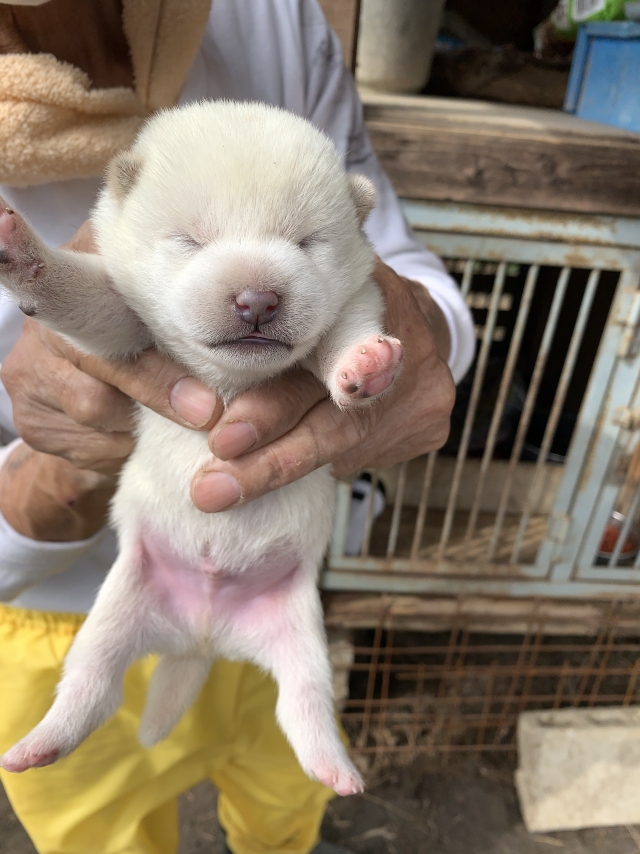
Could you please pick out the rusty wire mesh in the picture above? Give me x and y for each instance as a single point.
(462, 690)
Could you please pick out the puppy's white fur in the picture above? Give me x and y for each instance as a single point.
(212, 200)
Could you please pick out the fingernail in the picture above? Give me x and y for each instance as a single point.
(215, 491)
(234, 439)
(193, 401)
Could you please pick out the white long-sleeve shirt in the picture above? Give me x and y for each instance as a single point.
(280, 53)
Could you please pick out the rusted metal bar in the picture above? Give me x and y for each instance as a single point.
(384, 688)
(631, 686)
(485, 717)
(505, 384)
(474, 700)
(604, 663)
(590, 669)
(558, 402)
(438, 748)
(557, 699)
(418, 698)
(371, 684)
(423, 505)
(474, 397)
(498, 649)
(527, 410)
(397, 511)
(511, 691)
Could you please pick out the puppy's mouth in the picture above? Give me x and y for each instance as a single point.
(252, 341)
(259, 338)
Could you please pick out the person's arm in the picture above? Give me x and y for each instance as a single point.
(55, 487)
(25, 560)
(46, 498)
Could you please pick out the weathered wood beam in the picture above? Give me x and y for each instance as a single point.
(481, 153)
(476, 614)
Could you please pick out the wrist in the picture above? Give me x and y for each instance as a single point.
(46, 498)
(435, 318)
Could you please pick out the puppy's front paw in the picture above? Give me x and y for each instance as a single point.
(20, 264)
(367, 370)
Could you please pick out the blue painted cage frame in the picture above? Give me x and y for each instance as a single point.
(472, 523)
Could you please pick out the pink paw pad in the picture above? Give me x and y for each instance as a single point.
(369, 368)
(8, 224)
(16, 244)
(24, 760)
(343, 782)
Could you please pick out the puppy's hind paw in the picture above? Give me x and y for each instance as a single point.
(342, 777)
(367, 370)
(24, 755)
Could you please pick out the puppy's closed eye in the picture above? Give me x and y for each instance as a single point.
(309, 241)
(188, 242)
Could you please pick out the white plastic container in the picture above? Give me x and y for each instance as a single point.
(396, 43)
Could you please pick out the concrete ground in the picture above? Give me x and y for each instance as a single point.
(463, 807)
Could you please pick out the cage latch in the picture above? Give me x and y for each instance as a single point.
(627, 418)
(558, 527)
(630, 341)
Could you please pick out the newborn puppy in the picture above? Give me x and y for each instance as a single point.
(231, 240)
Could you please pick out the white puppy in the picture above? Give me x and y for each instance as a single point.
(231, 240)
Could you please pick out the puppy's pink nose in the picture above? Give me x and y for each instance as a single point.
(256, 307)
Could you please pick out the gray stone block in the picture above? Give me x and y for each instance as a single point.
(579, 768)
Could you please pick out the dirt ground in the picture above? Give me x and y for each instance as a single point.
(462, 807)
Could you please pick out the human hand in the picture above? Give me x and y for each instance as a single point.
(275, 434)
(79, 407)
(75, 413)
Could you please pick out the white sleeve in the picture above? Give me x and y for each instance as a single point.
(25, 562)
(334, 106)
(11, 320)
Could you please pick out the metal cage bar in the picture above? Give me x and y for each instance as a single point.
(527, 410)
(514, 350)
(563, 385)
(397, 511)
(423, 505)
(481, 365)
(463, 690)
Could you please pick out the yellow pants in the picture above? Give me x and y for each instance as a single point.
(113, 797)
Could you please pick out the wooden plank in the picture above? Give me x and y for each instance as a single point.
(444, 149)
(343, 17)
(476, 614)
(540, 501)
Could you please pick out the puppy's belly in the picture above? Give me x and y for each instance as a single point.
(195, 595)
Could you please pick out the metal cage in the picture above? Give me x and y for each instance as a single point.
(537, 491)
(461, 689)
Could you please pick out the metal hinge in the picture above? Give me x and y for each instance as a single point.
(630, 341)
(558, 528)
(627, 418)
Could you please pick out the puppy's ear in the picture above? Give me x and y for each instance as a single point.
(123, 172)
(363, 194)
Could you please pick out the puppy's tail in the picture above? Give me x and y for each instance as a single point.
(175, 686)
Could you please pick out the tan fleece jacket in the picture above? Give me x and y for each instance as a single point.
(55, 126)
